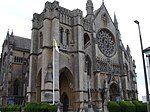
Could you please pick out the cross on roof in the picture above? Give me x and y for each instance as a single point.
(102, 1)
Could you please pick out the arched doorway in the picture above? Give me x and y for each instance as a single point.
(114, 92)
(66, 89)
(65, 101)
(38, 87)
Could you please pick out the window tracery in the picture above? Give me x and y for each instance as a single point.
(67, 37)
(106, 42)
(61, 35)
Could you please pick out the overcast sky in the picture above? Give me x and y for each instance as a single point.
(16, 15)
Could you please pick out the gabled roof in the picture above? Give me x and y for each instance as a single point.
(96, 12)
(21, 43)
(17, 42)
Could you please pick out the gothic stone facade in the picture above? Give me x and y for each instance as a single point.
(92, 64)
(15, 52)
(91, 67)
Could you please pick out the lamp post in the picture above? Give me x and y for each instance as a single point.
(147, 52)
(145, 75)
(148, 62)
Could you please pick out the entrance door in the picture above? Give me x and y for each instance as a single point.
(66, 89)
(65, 101)
(114, 92)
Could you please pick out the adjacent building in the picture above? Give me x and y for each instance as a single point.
(91, 67)
(14, 56)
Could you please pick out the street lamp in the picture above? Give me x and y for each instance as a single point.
(145, 75)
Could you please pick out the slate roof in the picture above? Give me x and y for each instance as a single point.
(21, 43)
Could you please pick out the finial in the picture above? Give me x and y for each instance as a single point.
(115, 21)
(102, 1)
(89, 7)
(12, 32)
(8, 32)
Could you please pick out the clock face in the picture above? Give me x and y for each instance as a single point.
(106, 42)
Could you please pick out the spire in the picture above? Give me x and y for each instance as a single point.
(12, 33)
(7, 35)
(89, 7)
(115, 21)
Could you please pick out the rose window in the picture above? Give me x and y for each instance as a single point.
(106, 42)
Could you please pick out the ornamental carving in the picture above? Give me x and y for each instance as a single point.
(106, 42)
(105, 19)
(107, 66)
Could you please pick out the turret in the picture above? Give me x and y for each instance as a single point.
(89, 7)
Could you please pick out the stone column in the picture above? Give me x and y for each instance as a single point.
(46, 84)
(106, 95)
(79, 33)
(55, 35)
(33, 61)
(120, 88)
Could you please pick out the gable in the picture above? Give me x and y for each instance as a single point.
(103, 20)
(106, 35)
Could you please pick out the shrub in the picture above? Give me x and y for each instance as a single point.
(30, 107)
(40, 107)
(113, 106)
(140, 107)
(2, 108)
(127, 106)
(144, 107)
(13, 108)
(53, 108)
(10, 108)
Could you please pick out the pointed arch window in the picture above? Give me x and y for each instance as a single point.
(86, 39)
(4, 59)
(126, 69)
(16, 86)
(15, 59)
(88, 65)
(61, 35)
(41, 40)
(67, 37)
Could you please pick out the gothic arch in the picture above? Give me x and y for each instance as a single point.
(38, 86)
(86, 38)
(61, 35)
(65, 101)
(66, 88)
(114, 91)
(67, 36)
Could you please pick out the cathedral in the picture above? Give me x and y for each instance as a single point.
(90, 67)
